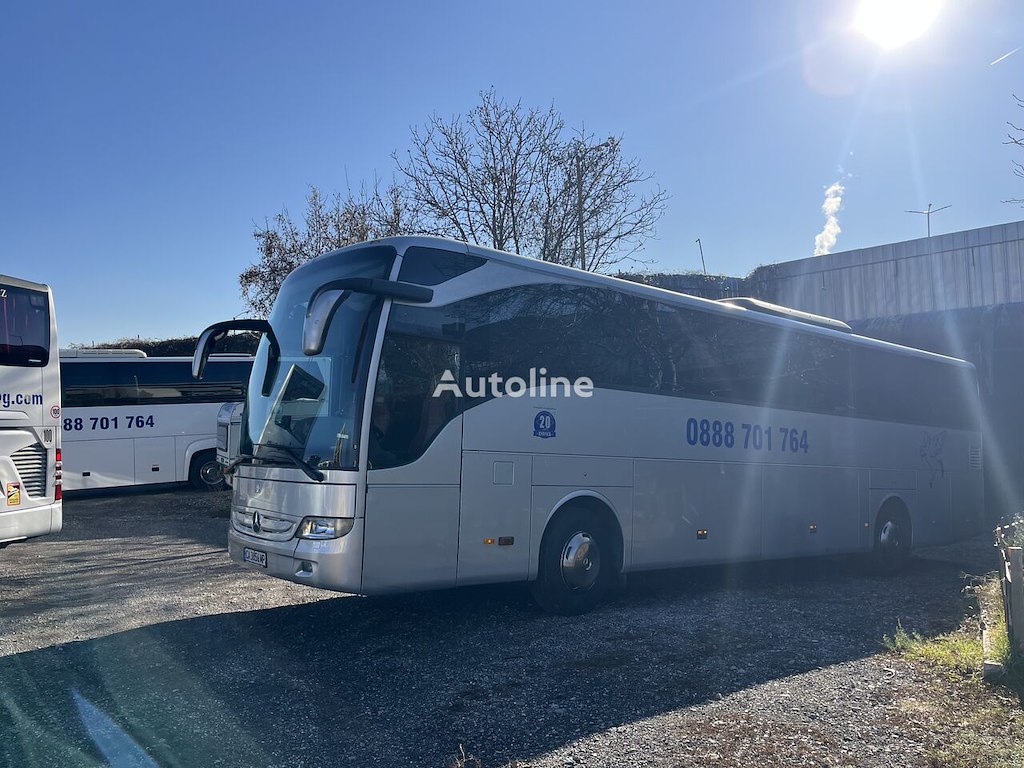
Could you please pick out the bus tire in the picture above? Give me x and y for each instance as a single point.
(893, 540)
(204, 473)
(576, 567)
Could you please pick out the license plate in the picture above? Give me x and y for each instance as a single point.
(255, 557)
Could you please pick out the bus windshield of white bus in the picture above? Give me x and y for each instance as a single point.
(314, 406)
(24, 327)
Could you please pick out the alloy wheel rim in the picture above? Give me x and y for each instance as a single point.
(580, 561)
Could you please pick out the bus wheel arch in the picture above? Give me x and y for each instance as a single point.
(893, 536)
(580, 556)
(204, 472)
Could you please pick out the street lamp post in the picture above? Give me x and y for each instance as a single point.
(928, 214)
(580, 150)
(705, 266)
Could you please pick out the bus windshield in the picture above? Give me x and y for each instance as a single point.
(24, 327)
(314, 407)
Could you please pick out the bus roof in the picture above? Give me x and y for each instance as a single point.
(135, 354)
(22, 283)
(75, 352)
(583, 277)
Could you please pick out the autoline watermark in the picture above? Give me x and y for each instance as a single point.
(538, 385)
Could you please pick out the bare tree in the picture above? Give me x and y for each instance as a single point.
(330, 223)
(476, 177)
(607, 220)
(504, 176)
(1016, 138)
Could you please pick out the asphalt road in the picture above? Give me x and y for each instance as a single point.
(131, 639)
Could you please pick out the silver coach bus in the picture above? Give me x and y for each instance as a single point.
(637, 429)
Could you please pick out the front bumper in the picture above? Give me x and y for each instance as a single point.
(335, 564)
(18, 524)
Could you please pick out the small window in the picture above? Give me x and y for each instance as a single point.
(432, 266)
(24, 327)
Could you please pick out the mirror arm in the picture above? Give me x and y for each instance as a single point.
(390, 289)
(317, 322)
(209, 339)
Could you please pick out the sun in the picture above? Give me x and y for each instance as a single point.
(892, 23)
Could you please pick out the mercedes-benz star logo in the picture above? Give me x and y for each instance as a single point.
(256, 527)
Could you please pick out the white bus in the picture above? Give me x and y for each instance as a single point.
(229, 432)
(130, 419)
(30, 451)
(715, 432)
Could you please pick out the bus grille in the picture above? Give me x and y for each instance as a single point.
(31, 465)
(271, 526)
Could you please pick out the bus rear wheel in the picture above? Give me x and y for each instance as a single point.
(205, 474)
(575, 568)
(892, 547)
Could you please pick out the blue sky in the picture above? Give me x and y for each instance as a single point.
(141, 141)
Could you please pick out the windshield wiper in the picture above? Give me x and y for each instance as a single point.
(311, 472)
(240, 459)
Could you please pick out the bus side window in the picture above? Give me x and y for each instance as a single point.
(406, 417)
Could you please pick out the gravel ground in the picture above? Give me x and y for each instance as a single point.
(132, 634)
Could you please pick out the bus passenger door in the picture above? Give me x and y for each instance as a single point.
(412, 519)
(414, 454)
(494, 517)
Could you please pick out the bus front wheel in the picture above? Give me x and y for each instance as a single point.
(892, 547)
(205, 473)
(576, 564)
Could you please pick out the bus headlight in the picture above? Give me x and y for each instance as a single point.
(324, 527)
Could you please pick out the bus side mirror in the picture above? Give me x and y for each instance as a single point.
(318, 318)
(207, 341)
(328, 297)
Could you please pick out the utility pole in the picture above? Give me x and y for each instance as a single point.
(702, 256)
(928, 214)
(580, 150)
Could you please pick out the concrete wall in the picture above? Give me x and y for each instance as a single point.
(962, 270)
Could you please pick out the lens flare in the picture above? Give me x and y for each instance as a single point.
(892, 23)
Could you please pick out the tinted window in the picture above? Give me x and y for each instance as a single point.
(24, 327)
(898, 387)
(432, 266)
(561, 331)
(172, 382)
(93, 383)
(151, 382)
(723, 358)
(405, 417)
(628, 342)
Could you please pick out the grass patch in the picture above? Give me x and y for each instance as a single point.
(958, 651)
(991, 598)
(971, 723)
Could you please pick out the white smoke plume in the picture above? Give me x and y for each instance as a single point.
(826, 239)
